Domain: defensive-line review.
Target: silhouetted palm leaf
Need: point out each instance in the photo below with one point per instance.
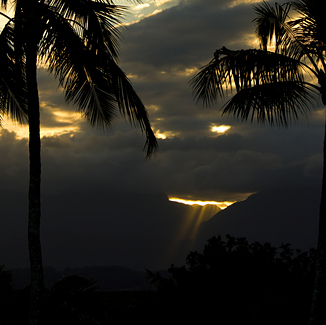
(270, 22)
(277, 103)
(244, 69)
(12, 79)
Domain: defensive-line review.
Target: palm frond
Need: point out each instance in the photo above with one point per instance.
(207, 84)
(276, 103)
(80, 72)
(79, 68)
(310, 30)
(242, 69)
(130, 104)
(12, 78)
(78, 42)
(4, 4)
(270, 22)
(91, 78)
(312, 18)
(94, 21)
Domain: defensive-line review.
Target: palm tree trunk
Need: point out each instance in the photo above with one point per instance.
(34, 213)
(318, 312)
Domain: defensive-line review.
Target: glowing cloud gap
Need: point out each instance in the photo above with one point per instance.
(221, 205)
(141, 6)
(219, 128)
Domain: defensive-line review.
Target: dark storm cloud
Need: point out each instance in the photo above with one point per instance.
(160, 54)
(179, 36)
(227, 165)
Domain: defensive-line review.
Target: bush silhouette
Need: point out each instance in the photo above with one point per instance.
(234, 280)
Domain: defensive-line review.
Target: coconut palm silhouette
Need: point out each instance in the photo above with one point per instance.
(272, 85)
(77, 41)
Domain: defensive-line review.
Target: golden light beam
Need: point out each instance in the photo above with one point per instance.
(199, 212)
(221, 205)
(188, 229)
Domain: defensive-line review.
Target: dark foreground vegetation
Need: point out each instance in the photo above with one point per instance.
(235, 282)
(230, 282)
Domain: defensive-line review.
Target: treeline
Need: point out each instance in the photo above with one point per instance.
(108, 278)
(235, 281)
(231, 281)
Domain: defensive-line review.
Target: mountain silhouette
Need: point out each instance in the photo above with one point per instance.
(286, 215)
(141, 230)
(137, 230)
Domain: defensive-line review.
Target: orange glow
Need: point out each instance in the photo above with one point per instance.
(221, 205)
(219, 128)
(70, 119)
(164, 134)
(199, 212)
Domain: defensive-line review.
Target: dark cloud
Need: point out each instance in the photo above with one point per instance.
(160, 53)
(13, 162)
(183, 35)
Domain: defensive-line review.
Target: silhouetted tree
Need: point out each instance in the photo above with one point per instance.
(237, 281)
(77, 41)
(271, 85)
(73, 300)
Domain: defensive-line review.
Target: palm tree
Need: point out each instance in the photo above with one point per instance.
(77, 41)
(275, 84)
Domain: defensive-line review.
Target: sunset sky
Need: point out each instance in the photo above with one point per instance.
(201, 156)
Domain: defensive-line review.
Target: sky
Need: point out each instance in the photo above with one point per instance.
(164, 44)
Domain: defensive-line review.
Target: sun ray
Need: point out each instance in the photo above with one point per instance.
(199, 212)
(221, 205)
